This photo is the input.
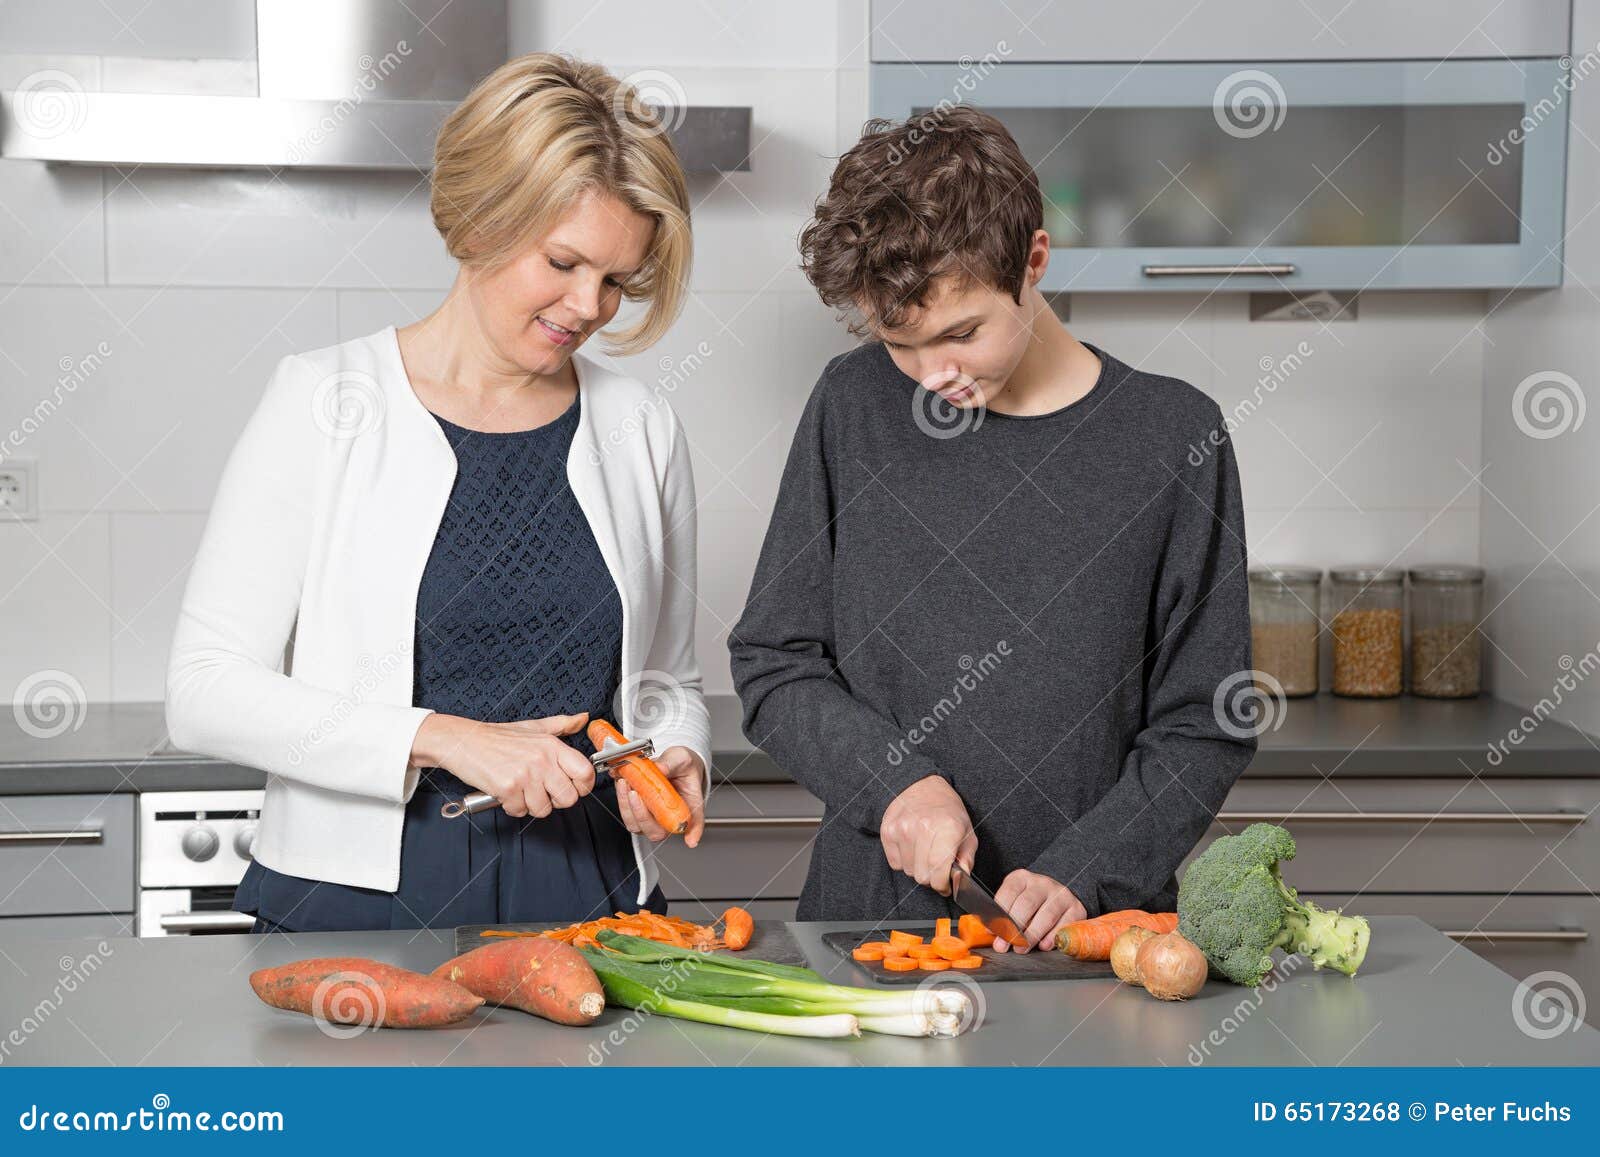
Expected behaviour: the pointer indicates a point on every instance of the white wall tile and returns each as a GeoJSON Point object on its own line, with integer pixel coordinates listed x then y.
{"type": "Point", "coordinates": [52, 225]}
{"type": "Point", "coordinates": [708, 33]}
{"type": "Point", "coordinates": [170, 28]}
{"type": "Point", "coordinates": [55, 601]}
{"type": "Point", "coordinates": [150, 558]}
{"type": "Point", "coordinates": [364, 311]}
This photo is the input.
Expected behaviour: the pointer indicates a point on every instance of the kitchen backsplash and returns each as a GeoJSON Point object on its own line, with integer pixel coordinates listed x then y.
{"type": "Point", "coordinates": [145, 309]}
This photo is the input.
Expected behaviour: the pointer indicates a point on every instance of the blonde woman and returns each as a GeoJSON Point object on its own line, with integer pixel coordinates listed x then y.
{"type": "Point", "coordinates": [479, 539]}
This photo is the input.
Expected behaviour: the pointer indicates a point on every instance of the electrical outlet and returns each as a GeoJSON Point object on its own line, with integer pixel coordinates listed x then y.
{"type": "Point", "coordinates": [19, 490]}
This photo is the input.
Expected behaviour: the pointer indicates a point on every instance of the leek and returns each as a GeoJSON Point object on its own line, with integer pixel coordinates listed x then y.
{"type": "Point", "coordinates": [629, 993]}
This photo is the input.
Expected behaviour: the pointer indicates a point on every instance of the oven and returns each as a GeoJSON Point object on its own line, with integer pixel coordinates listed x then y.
{"type": "Point", "coordinates": [193, 849]}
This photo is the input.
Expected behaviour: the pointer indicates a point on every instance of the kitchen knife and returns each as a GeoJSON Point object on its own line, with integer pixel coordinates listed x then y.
{"type": "Point", "coordinates": [971, 896]}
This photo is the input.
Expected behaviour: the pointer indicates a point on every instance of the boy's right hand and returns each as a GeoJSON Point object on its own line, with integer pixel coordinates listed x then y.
{"type": "Point", "coordinates": [926, 830]}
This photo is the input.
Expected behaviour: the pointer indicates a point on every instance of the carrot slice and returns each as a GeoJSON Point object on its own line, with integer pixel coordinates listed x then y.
{"type": "Point", "coordinates": [865, 952]}
{"type": "Point", "coordinates": [933, 965]}
{"type": "Point", "coordinates": [883, 944]}
{"type": "Point", "coordinates": [974, 931]}
{"type": "Point", "coordinates": [906, 938]}
{"type": "Point", "coordinates": [951, 947]}
{"type": "Point", "coordinates": [900, 964]}
{"type": "Point", "coordinates": [896, 949]}
{"type": "Point", "coordinates": [941, 927]}
{"type": "Point", "coordinates": [1009, 932]}
{"type": "Point", "coordinates": [923, 952]}
{"type": "Point", "coordinates": [967, 962]}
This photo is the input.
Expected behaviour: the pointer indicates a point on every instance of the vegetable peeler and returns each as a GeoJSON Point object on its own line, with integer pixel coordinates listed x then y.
{"type": "Point", "coordinates": [609, 754]}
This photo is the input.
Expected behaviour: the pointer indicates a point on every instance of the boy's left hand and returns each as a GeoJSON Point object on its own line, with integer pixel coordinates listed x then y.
{"type": "Point", "coordinates": [1039, 905]}
{"type": "Point", "coordinates": [688, 775]}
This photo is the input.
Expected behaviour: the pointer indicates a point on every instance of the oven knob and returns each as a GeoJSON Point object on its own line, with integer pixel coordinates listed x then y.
{"type": "Point", "coordinates": [200, 844]}
{"type": "Point", "coordinates": [244, 842]}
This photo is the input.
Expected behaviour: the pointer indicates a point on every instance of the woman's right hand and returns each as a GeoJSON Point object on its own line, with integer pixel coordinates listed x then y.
{"type": "Point", "coordinates": [525, 765]}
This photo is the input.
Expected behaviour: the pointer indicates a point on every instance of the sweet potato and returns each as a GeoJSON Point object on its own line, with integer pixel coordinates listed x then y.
{"type": "Point", "coordinates": [544, 977]}
{"type": "Point", "coordinates": [351, 990]}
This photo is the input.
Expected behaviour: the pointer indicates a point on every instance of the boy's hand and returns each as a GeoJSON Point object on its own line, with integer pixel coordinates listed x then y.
{"type": "Point", "coordinates": [925, 830]}
{"type": "Point", "coordinates": [1039, 905]}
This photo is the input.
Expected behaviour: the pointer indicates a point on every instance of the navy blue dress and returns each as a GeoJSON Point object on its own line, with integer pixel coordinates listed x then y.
{"type": "Point", "coordinates": [517, 618]}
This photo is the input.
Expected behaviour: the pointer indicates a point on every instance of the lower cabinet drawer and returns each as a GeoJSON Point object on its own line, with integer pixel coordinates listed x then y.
{"type": "Point", "coordinates": [757, 846]}
{"type": "Point", "coordinates": [64, 927]}
{"type": "Point", "coordinates": [1427, 835]}
{"type": "Point", "coordinates": [65, 854]}
{"type": "Point", "coordinates": [1522, 935]}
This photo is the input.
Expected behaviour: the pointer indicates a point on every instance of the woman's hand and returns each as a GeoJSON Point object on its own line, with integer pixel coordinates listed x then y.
{"type": "Point", "coordinates": [525, 765]}
{"type": "Point", "coordinates": [687, 774]}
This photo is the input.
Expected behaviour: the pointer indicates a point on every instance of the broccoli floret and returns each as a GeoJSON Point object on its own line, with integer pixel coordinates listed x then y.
{"type": "Point", "coordinates": [1235, 906]}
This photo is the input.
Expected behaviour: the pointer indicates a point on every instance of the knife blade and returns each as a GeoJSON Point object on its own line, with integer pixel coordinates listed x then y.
{"type": "Point", "coordinates": [971, 896]}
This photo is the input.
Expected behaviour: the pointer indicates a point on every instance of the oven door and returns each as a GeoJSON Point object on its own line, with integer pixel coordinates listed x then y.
{"type": "Point", "coordinates": [204, 911]}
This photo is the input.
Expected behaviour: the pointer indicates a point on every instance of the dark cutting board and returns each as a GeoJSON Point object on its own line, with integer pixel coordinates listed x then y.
{"type": "Point", "coordinates": [1035, 965]}
{"type": "Point", "coordinates": [772, 940]}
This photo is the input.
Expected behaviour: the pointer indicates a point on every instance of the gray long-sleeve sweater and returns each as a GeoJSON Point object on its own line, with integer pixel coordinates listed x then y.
{"type": "Point", "coordinates": [1039, 609]}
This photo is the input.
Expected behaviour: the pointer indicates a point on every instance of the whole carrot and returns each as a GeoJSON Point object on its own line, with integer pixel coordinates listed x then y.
{"type": "Point", "coordinates": [644, 777]}
{"type": "Point", "coordinates": [737, 928]}
{"type": "Point", "coordinates": [1092, 939]}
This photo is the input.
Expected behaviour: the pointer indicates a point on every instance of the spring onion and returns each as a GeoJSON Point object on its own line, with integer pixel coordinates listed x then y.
{"type": "Point", "coordinates": [627, 992]}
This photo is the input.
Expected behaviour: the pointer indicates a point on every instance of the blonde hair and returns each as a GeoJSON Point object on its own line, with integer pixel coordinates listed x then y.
{"type": "Point", "coordinates": [529, 140]}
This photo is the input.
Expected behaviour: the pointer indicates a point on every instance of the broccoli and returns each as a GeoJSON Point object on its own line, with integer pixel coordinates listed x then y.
{"type": "Point", "coordinates": [1235, 906]}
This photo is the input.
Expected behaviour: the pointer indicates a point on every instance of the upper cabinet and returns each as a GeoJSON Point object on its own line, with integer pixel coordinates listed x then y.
{"type": "Point", "coordinates": [1262, 171]}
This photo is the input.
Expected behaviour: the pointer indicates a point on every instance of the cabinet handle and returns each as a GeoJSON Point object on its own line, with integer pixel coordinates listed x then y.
{"type": "Point", "coordinates": [1282, 269]}
{"type": "Point", "coordinates": [1573, 818]}
{"type": "Point", "coordinates": [75, 836]}
{"type": "Point", "coordinates": [763, 821]}
{"type": "Point", "coordinates": [1553, 935]}
{"type": "Point", "coordinates": [207, 922]}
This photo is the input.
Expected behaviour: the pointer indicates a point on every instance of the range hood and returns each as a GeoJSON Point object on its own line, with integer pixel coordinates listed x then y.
{"type": "Point", "coordinates": [356, 84]}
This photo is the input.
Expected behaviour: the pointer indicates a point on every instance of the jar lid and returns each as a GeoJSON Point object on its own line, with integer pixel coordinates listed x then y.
{"type": "Point", "coordinates": [1447, 573]}
{"type": "Point", "coordinates": [1286, 574]}
{"type": "Point", "coordinates": [1367, 574]}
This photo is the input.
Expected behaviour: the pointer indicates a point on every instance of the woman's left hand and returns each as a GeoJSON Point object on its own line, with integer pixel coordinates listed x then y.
{"type": "Point", "coordinates": [687, 774]}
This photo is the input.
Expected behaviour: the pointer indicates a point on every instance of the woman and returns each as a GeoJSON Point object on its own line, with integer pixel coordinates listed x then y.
{"type": "Point", "coordinates": [467, 577]}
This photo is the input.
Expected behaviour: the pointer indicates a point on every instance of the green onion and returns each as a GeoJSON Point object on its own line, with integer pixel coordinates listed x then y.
{"type": "Point", "coordinates": [639, 948]}
{"type": "Point", "coordinates": [629, 993]}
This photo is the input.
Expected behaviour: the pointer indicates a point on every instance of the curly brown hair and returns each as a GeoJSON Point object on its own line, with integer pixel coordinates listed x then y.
{"type": "Point", "coordinates": [945, 192]}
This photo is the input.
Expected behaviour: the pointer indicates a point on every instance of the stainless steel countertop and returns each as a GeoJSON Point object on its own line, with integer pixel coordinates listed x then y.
{"type": "Point", "coordinates": [1420, 1000]}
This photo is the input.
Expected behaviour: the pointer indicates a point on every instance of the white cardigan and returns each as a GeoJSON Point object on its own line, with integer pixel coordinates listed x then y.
{"type": "Point", "coordinates": [322, 524]}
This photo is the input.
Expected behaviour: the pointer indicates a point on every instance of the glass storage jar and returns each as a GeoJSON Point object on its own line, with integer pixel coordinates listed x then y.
{"type": "Point", "coordinates": [1446, 609]}
{"type": "Point", "coordinates": [1367, 630]}
{"type": "Point", "coordinates": [1284, 625]}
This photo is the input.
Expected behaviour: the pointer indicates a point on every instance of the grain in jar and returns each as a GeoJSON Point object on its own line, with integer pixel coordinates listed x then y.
{"type": "Point", "coordinates": [1446, 608]}
{"type": "Point", "coordinates": [1284, 626]}
{"type": "Point", "coordinates": [1368, 631]}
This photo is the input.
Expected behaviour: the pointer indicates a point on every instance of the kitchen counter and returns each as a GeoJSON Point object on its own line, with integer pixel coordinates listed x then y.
{"type": "Point", "coordinates": [186, 1001]}
{"type": "Point", "coordinates": [122, 747]}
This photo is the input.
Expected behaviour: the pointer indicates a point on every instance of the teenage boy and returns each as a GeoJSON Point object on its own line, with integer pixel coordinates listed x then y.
{"type": "Point", "coordinates": [1004, 582]}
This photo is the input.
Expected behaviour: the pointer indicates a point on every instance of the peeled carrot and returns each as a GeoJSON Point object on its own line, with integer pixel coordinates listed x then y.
{"type": "Point", "coordinates": [967, 962]}
{"type": "Point", "coordinates": [900, 964]}
{"type": "Point", "coordinates": [1092, 939]}
{"type": "Point", "coordinates": [933, 964]}
{"type": "Point", "coordinates": [737, 928]}
{"type": "Point", "coordinates": [974, 931]}
{"type": "Point", "coordinates": [644, 777]}
{"type": "Point", "coordinates": [951, 947]}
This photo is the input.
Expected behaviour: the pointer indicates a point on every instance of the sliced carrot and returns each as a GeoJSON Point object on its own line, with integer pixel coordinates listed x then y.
{"type": "Point", "coordinates": [933, 965]}
{"type": "Point", "coordinates": [883, 944]}
{"type": "Point", "coordinates": [900, 964]}
{"type": "Point", "coordinates": [967, 962]}
{"type": "Point", "coordinates": [896, 949]}
{"type": "Point", "coordinates": [941, 927]}
{"type": "Point", "coordinates": [1009, 932]}
{"type": "Point", "coordinates": [951, 947]}
{"type": "Point", "coordinates": [974, 931]}
{"type": "Point", "coordinates": [923, 952]}
{"type": "Point", "coordinates": [866, 952]}
{"type": "Point", "coordinates": [906, 938]}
